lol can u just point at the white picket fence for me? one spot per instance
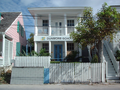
(75, 73)
(32, 61)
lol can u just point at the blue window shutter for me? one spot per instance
(18, 26)
(17, 48)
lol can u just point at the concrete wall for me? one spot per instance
(27, 75)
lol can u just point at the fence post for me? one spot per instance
(103, 72)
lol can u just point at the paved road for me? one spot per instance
(61, 87)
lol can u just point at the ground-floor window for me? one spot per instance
(70, 46)
(45, 46)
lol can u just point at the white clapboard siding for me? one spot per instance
(32, 61)
(75, 72)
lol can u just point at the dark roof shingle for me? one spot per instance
(8, 18)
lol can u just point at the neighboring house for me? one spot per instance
(115, 44)
(12, 36)
(52, 30)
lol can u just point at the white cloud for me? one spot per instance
(28, 2)
(95, 4)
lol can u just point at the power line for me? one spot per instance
(57, 16)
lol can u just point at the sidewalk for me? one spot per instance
(61, 87)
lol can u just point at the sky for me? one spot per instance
(23, 5)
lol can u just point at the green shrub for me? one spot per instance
(54, 61)
(33, 53)
(118, 55)
(5, 77)
(95, 59)
(73, 57)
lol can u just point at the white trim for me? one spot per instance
(13, 22)
(65, 20)
(35, 46)
(36, 28)
(56, 8)
(65, 48)
(12, 49)
(50, 47)
(49, 24)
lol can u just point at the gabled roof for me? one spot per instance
(8, 18)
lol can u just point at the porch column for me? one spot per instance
(36, 28)
(65, 48)
(49, 24)
(3, 48)
(35, 46)
(65, 20)
(80, 51)
(50, 47)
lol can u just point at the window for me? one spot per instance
(60, 24)
(70, 22)
(45, 22)
(46, 47)
(70, 46)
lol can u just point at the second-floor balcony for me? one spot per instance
(55, 31)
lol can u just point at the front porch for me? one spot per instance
(58, 49)
(6, 50)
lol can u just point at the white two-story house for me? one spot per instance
(53, 26)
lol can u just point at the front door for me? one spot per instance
(58, 52)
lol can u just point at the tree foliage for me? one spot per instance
(31, 39)
(33, 53)
(93, 30)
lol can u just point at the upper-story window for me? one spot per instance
(45, 22)
(70, 22)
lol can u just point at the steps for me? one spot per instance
(111, 71)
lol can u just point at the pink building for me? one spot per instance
(12, 36)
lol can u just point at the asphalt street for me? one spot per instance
(61, 87)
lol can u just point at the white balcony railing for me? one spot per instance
(58, 31)
(70, 29)
(43, 31)
(55, 31)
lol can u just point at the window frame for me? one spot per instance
(70, 23)
(70, 46)
(45, 23)
(46, 46)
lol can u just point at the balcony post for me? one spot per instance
(36, 28)
(65, 48)
(65, 20)
(35, 46)
(49, 24)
